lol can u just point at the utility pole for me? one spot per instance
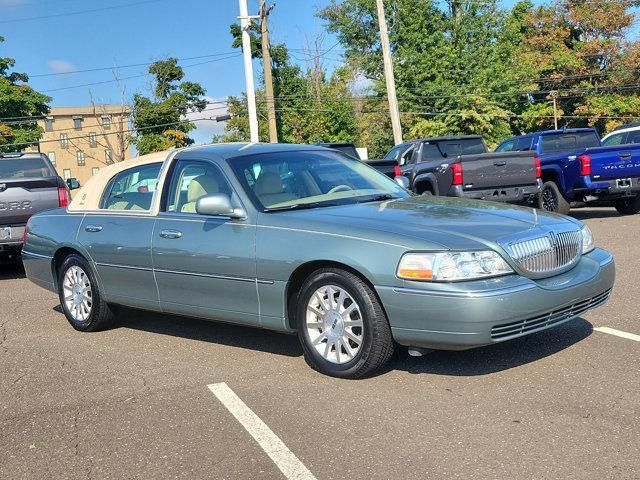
(388, 75)
(268, 78)
(245, 21)
(554, 96)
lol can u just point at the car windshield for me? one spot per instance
(311, 179)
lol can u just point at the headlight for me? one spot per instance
(451, 266)
(587, 239)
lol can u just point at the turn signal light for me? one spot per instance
(457, 173)
(585, 164)
(64, 199)
(536, 159)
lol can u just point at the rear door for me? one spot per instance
(118, 237)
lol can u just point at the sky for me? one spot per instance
(140, 33)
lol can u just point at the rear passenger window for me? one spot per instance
(616, 139)
(132, 189)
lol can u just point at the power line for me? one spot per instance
(118, 67)
(71, 87)
(78, 12)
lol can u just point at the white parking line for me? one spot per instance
(285, 460)
(618, 333)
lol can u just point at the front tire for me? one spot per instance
(628, 206)
(80, 298)
(551, 199)
(342, 327)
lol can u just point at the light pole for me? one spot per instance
(245, 21)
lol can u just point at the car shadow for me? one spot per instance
(11, 269)
(594, 213)
(212, 332)
(498, 357)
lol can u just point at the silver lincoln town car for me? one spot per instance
(303, 239)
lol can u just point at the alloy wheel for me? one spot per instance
(77, 293)
(549, 200)
(334, 324)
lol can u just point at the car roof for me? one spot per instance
(14, 155)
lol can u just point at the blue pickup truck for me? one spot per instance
(578, 171)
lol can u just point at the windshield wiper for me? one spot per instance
(377, 198)
(301, 206)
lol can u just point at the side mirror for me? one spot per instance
(402, 181)
(218, 204)
(73, 183)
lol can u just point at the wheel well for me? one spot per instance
(58, 258)
(423, 186)
(550, 176)
(299, 276)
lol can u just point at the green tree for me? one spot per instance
(159, 120)
(17, 101)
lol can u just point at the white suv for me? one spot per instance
(622, 135)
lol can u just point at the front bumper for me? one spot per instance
(519, 194)
(458, 316)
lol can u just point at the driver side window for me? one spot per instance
(192, 180)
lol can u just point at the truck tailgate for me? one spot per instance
(19, 199)
(498, 169)
(619, 161)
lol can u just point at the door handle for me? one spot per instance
(93, 228)
(499, 164)
(171, 234)
(625, 156)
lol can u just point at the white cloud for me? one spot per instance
(60, 66)
(206, 129)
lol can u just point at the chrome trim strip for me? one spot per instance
(265, 282)
(37, 255)
(127, 267)
(206, 275)
(478, 294)
(606, 261)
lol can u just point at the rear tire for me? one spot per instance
(342, 327)
(628, 206)
(552, 200)
(80, 298)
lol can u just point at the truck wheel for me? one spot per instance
(628, 206)
(81, 301)
(551, 199)
(342, 327)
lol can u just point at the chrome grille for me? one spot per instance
(549, 253)
(548, 319)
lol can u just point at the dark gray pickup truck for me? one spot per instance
(462, 166)
(28, 184)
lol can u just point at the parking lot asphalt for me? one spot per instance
(133, 402)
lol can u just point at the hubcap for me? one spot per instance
(334, 324)
(549, 201)
(77, 293)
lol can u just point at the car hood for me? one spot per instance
(453, 223)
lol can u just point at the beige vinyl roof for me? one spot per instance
(88, 197)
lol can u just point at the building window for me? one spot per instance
(106, 121)
(95, 170)
(52, 158)
(64, 140)
(66, 173)
(93, 140)
(80, 158)
(108, 156)
(77, 123)
(48, 124)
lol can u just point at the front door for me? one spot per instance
(204, 265)
(118, 238)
